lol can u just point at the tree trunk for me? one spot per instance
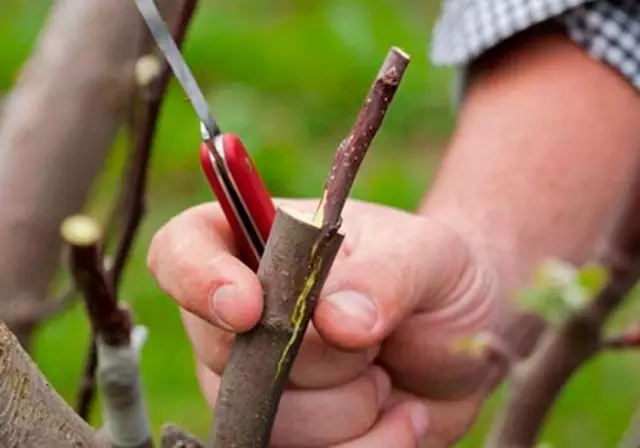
(57, 127)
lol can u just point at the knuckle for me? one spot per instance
(162, 245)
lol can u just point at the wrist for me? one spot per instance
(493, 244)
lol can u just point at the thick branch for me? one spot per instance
(81, 73)
(295, 264)
(538, 381)
(32, 414)
(297, 259)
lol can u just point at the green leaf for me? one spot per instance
(560, 289)
(593, 277)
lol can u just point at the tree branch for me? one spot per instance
(84, 235)
(33, 414)
(354, 147)
(135, 186)
(131, 203)
(27, 313)
(628, 339)
(126, 420)
(537, 381)
(490, 347)
(297, 259)
(87, 88)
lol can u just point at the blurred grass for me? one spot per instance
(289, 77)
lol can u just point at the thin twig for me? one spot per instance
(84, 235)
(84, 397)
(495, 350)
(354, 147)
(32, 312)
(131, 202)
(134, 192)
(126, 418)
(628, 339)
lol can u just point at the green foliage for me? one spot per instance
(560, 289)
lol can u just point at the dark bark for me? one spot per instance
(126, 420)
(131, 205)
(354, 147)
(295, 264)
(145, 126)
(87, 267)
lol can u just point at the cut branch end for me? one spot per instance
(81, 230)
(354, 147)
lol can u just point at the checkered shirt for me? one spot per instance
(609, 30)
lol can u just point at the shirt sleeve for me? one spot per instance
(608, 30)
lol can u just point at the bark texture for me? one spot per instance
(295, 264)
(57, 126)
(354, 147)
(33, 414)
(174, 437)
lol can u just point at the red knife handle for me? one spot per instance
(248, 187)
(249, 184)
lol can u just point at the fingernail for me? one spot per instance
(355, 306)
(419, 419)
(221, 302)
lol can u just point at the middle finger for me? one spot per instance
(317, 365)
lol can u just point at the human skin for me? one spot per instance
(538, 161)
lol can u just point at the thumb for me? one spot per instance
(389, 267)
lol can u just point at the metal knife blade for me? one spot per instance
(165, 41)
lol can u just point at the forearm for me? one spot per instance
(544, 147)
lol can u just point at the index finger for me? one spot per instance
(193, 260)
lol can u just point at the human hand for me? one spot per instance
(376, 367)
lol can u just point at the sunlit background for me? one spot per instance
(289, 77)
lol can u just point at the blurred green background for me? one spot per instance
(289, 77)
